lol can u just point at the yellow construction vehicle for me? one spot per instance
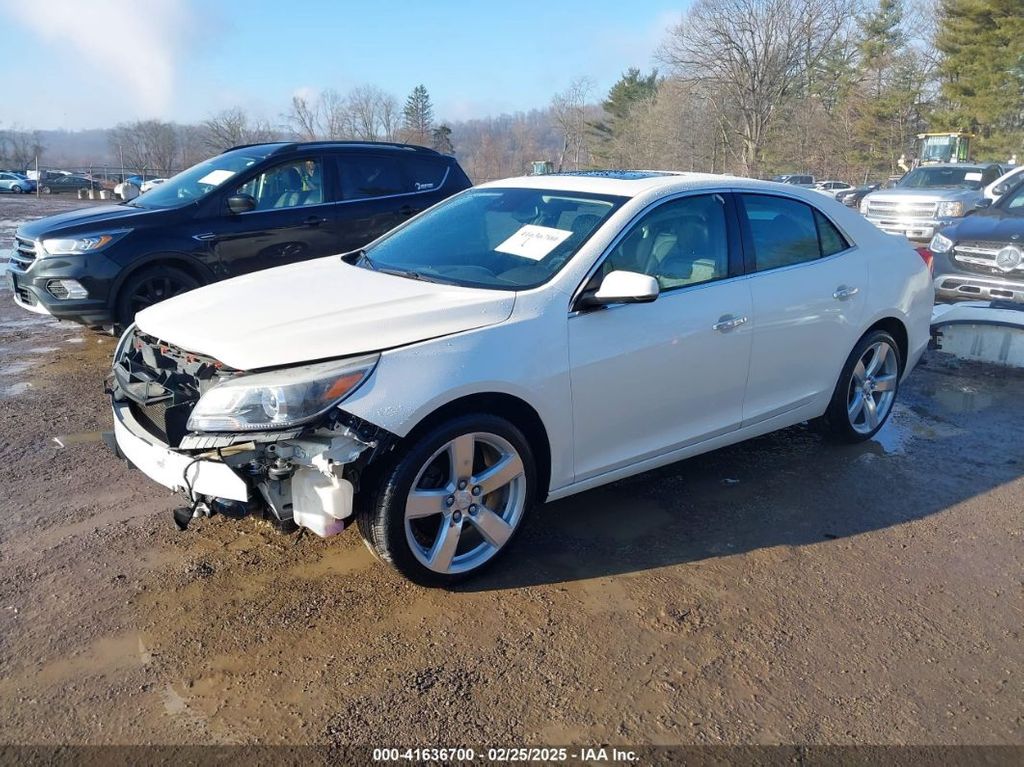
(943, 147)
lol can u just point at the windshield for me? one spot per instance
(509, 239)
(942, 178)
(198, 181)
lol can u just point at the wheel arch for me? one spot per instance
(895, 327)
(195, 269)
(508, 406)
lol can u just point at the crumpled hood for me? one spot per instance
(88, 219)
(317, 310)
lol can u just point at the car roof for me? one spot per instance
(641, 183)
(287, 147)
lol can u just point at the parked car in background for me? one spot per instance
(437, 384)
(928, 199)
(832, 188)
(981, 257)
(247, 209)
(151, 183)
(851, 197)
(16, 183)
(804, 181)
(1005, 183)
(67, 184)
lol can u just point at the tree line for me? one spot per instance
(831, 87)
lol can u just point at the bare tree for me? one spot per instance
(569, 110)
(749, 58)
(334, 111)
(389, 117)
(149, 146)
(304, 117)
(19, 148)
(233, 127)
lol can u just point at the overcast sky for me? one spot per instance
(92, 63)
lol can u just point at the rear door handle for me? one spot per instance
(844, 292)
(728, 322)
(314, 221)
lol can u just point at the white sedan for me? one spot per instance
(520, 342)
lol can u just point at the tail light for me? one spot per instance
(928, 257)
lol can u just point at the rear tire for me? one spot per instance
(864, 396)
(45, 190)
(17, 189)
(151, 286)
(450, 503)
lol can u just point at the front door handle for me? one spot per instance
(728, 322)
(314, 221)
(843, 292)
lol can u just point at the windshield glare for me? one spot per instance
(196, 182)
(931, 178)
(495, 238)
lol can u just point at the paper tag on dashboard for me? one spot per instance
(972, 176)
(216, 177)
(533, 242)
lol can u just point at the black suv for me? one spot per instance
(981, 257)
(252, 207)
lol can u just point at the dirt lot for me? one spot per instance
(782, 591)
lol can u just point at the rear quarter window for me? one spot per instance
(425, 173)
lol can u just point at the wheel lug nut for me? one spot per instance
(476, 490)
(462, 484)
(450, 500)
(472, 510)
(457, 516)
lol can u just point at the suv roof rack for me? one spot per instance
(290, 146)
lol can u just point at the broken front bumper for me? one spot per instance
(299, 481)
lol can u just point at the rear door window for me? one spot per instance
(367, 176)
(786, 232)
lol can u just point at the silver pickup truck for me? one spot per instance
(929, 198)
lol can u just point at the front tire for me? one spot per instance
(151, 286)
(867, 388)
(451, 502)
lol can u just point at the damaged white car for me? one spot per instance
(523, 341)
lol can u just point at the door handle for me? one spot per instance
(406, 211)
(844, 292)
(728, 322)
(314, 221)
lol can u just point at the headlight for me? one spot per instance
(86, 243)
(940, 244)
(864, 206)
(280, 399)
(950, 209)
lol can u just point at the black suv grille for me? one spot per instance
(24, 254)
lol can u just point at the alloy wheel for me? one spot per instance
(154, 290)
(872, 387)
(465, 503)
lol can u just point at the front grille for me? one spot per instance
(26, 296)
(901, 209)
(24, 254)
(980, 257)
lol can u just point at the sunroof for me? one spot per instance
(622, 175)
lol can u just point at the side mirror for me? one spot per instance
(984, 202)
(622, 287)
(1000, 189)
(241, 203)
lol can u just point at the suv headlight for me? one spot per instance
(864, 206)
(279, 399)
(950, 209)
(85, 243)
(940, 244)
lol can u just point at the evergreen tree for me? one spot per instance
(418, 116)
(981, 46)
(631, 90)
(441, 139)
(881, 38)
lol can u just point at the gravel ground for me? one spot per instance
(786, 590)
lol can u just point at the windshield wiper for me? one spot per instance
(409, 273)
